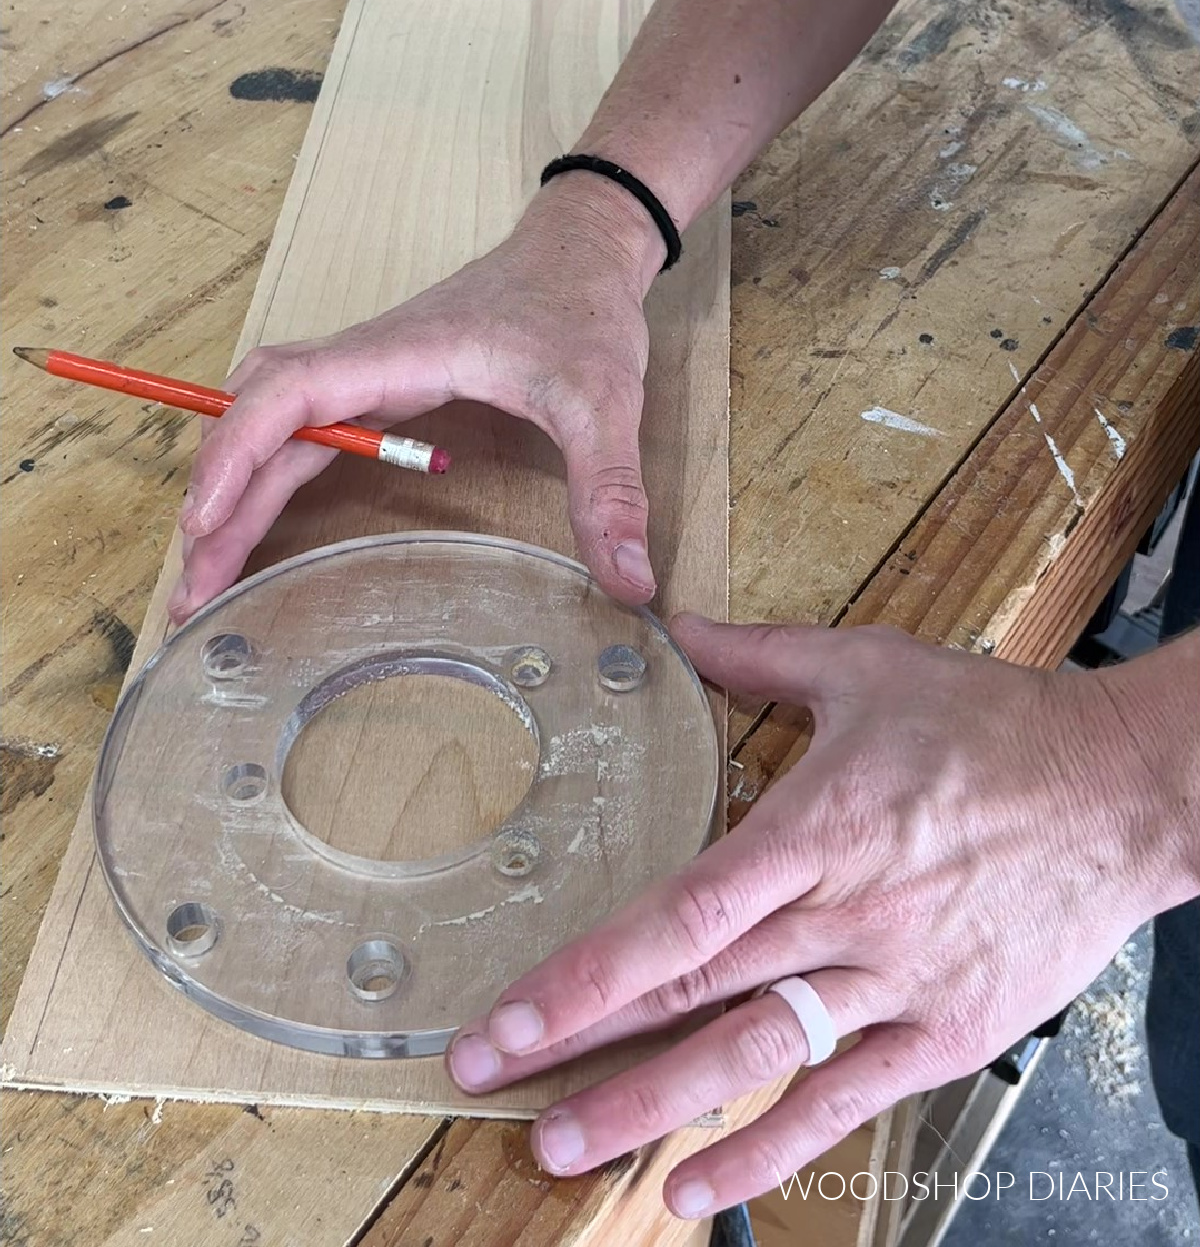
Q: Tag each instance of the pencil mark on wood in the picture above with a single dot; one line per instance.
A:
(159, 319)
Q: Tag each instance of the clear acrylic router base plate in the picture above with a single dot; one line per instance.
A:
(281, 932)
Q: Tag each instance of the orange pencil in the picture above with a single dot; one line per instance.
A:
(401, 452)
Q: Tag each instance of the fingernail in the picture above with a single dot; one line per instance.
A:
(515, 1027)
(561, 1140)
(690, 619)
(473, 1061)
(633, 564)
(693, 1198)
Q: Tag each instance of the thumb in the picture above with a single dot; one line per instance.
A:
(792, 664)
(610, 511)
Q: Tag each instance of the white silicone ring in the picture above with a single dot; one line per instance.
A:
(812, 1015)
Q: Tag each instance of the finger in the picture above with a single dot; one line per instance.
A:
(793, 664)
(685, 920)
(608, 505)
(747, 1048)
(826, 1106)
(787, 942)
(213, 562)
(285, 391)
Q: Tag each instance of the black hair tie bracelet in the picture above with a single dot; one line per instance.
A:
(635, 186)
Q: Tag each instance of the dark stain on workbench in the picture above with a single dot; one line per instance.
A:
(300, 85)
(164, 425)
(1183, 338)
(119, 636)
(962, 231)
(25, 771)
(934, 37)
(76, 144)
(1137, 25)
(117, 202)
(27, 465)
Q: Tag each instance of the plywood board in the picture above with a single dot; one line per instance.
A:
(426, 142)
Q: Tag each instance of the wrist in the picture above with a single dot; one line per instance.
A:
(587, 212)
(1150, 747)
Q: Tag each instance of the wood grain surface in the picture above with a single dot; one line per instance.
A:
(473, 95)
(193, 112)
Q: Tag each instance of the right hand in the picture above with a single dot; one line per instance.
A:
(547, 327)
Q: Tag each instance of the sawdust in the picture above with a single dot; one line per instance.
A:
(1101, 1032)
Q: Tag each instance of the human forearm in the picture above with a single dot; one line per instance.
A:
(706, 85)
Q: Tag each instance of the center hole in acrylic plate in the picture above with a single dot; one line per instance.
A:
(407, 760)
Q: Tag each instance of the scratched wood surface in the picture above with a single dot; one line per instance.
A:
(91, 488)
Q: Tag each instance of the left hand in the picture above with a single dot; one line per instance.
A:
(961, 851)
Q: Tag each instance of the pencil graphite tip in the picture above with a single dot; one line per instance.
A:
(32, 354)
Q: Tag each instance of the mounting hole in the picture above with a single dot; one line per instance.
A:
(225, 656)
(245, 782)
(530, 666)
(191, 929)
(375, 969)
(516, 853)
(621, 668)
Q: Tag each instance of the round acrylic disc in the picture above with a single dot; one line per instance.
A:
(363, 931)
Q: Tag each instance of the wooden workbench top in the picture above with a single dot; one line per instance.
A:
(946, 225)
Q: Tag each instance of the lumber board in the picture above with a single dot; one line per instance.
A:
(165, 284)
(473, 104)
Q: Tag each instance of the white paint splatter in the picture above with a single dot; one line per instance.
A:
(1113, 436)
(893, 420)
(950, 149)
(1086, 153)
(116, 1097)
(31, 749)
(60, 86)
(890, 273)
(1023, 84)
(1064, 468)
(941, 198)
(156, 1116)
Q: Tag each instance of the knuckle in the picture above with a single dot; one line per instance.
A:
(599, 984)
(618, 486)
(687, 993)
(841, 1111)
(766, 1048)
(766, 1163)
(644, 1109)
(703, 919)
